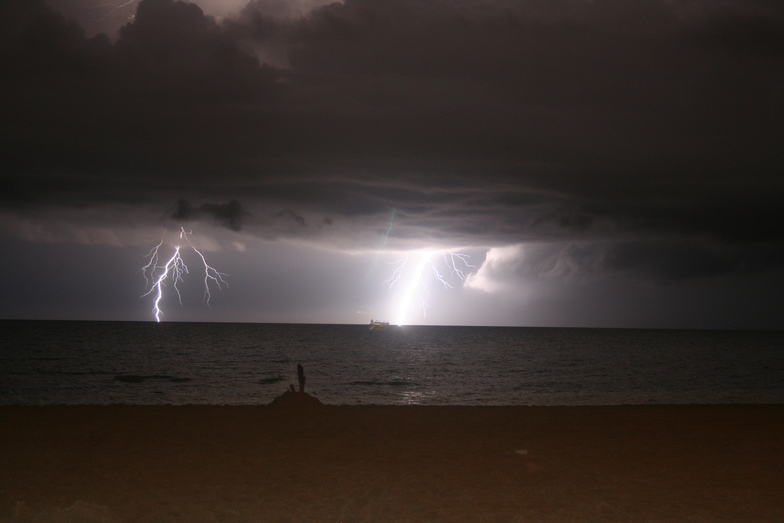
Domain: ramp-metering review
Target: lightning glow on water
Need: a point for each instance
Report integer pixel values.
(416, 293)
(156, 273)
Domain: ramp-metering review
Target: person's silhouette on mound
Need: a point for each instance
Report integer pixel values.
(301, 375)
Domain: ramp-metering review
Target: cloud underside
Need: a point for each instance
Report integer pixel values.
(610, 134)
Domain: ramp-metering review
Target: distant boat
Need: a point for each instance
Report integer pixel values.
(378, 325)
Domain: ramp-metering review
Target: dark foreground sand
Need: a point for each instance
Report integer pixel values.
(376, 463)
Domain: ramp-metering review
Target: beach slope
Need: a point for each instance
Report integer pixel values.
(391, 463)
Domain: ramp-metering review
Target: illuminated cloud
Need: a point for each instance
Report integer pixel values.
(501, 266)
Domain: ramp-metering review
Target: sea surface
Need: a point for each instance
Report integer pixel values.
(62, 362)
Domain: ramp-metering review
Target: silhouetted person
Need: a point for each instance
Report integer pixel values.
(301, 375)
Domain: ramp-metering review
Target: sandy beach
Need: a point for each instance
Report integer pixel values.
(385, 463)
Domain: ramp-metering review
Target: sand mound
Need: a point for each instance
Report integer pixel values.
(297, 400)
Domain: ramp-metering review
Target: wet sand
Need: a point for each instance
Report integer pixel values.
(382, 463)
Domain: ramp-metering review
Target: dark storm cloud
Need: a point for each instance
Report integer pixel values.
(129, 112)
(744, 29)
(674, 261)
(229, 214)
(175, 53)
(483, 122)
(288, 214)
(641, 115)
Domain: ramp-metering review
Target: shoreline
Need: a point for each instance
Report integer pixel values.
(335, 407)
(721, 462)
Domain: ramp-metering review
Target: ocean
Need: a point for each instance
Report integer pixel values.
(65, 362)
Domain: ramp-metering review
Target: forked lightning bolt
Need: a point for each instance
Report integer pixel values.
(156, 274)
(416, 288)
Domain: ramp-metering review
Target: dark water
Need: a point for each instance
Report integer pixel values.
(217, 363)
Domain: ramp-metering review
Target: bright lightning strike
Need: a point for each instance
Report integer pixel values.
(416, 291)
(157, 273)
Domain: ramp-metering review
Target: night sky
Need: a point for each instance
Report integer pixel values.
(605, 163)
